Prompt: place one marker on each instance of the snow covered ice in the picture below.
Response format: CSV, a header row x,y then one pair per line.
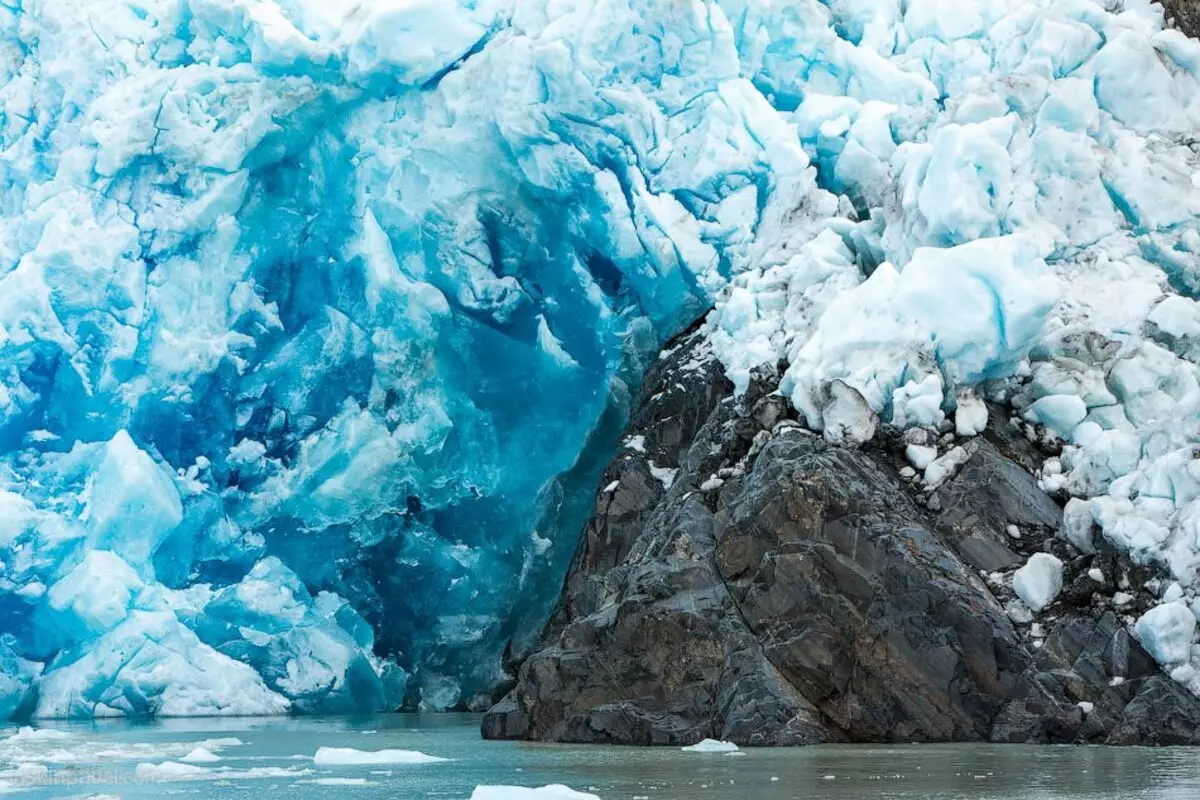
x,y
318,318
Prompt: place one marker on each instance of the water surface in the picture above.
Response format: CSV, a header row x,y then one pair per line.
x,y
275,758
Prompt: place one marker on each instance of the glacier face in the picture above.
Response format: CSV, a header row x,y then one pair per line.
x,y
318,315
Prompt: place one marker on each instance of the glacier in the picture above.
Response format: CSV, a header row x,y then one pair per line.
x,y
319,318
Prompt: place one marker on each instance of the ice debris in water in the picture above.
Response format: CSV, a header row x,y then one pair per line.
x,y
170,771
554,791
711,746
309,309
334,756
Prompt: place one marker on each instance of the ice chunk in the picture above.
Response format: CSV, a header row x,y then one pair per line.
x,y
1039,581
971,415
337,756
920,456
1058,412
174,771
93,597
552,792
170,771
151,664
710,746
944,466
1166,631
305,648
200,756
131,502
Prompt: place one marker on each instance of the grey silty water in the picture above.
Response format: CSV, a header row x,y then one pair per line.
x,y
275,759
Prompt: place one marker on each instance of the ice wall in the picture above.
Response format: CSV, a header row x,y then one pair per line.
x,y
308,309
316,316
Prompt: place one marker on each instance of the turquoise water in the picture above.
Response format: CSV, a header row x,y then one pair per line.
x,y
275,758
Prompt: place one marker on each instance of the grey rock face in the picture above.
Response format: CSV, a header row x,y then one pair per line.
x,y
743,579
1184,15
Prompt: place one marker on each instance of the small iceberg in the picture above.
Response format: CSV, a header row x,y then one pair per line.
x,y
200,755
339,782
711,746
170,771
348,756
553,792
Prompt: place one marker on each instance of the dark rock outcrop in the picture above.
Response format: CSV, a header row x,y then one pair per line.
x,y
743,579
1184,15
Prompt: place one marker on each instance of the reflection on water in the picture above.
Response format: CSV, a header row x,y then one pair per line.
x,y
274,756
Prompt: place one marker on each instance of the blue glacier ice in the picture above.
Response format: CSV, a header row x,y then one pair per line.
x,y
319,318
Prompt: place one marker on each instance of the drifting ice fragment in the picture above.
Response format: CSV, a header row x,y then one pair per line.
x,y
710,746
552,792
337,756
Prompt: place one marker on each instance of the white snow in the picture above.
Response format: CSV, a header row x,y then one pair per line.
x,y
664,475
1039,581
336,756
711,746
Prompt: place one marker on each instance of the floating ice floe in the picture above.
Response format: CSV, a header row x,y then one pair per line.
x,y
338,756
711,746
552,792
172,771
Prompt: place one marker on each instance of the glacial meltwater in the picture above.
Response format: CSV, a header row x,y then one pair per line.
x,y
393,756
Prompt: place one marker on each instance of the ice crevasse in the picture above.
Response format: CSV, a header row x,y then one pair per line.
x,y
318,318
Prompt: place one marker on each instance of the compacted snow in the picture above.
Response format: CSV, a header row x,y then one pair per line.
x,y
318,317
